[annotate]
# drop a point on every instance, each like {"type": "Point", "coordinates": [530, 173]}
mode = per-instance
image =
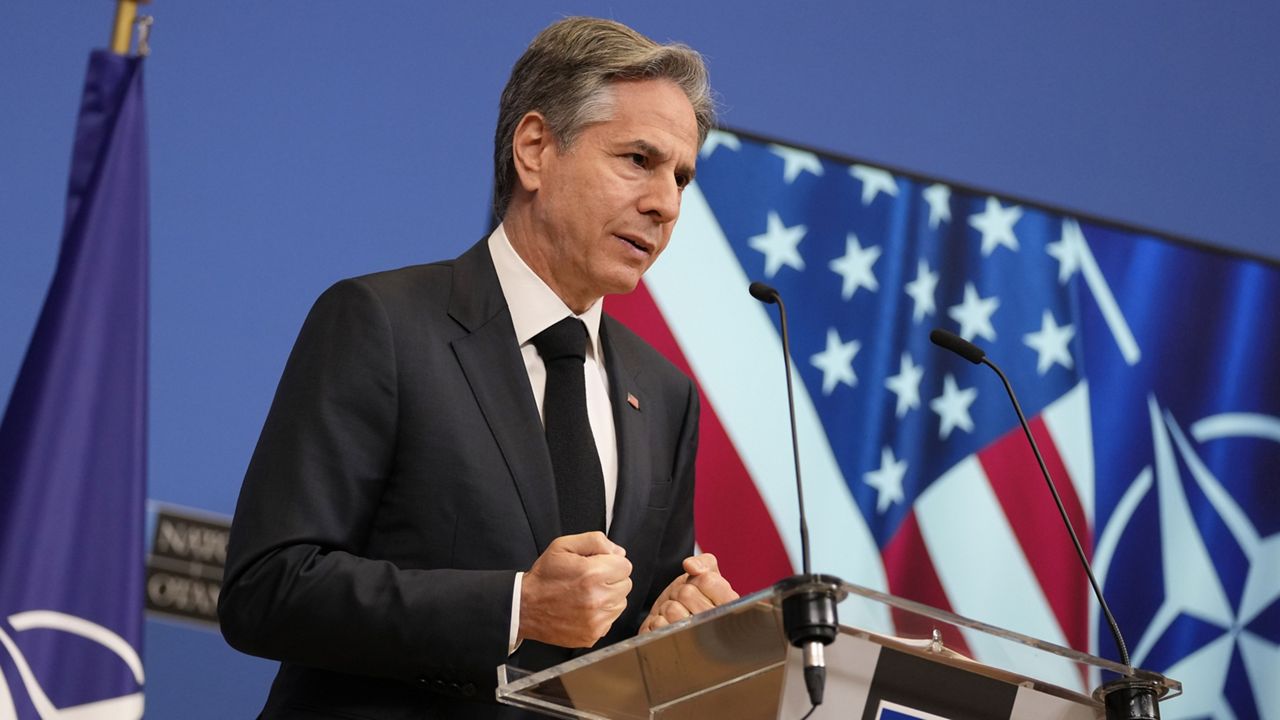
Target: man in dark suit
{"type": "Point", "coordinates": [406, 525]}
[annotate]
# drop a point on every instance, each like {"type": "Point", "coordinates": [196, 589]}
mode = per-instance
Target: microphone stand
{"type": "Point", "coordinates": [1126, 698]}
{"type": "Point", "coordinates": [809, 616]}
{"type": "Point", "coordinates": [809, 602]}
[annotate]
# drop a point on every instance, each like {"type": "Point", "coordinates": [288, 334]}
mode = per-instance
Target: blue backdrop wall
{"type": "Point", "coordinates": [294, 143]}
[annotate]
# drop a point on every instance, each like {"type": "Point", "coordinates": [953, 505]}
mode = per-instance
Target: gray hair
{"type": "Point", "coordinates": [566, 75]}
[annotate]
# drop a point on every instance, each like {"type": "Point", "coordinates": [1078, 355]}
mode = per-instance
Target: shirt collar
{"type": "Point", "coordinates": [534, 306]}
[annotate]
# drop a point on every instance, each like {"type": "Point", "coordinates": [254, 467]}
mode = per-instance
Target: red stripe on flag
{"type": "Point", "coordinates": [732, 519]}
{"type": "Point", "coordinates": [910, 573]}
{"type": "Point", "coordinates": [1014, 476]}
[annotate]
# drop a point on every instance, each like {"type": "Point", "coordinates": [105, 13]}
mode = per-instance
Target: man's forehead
{"type": "Point", "coordinates": [655, 113]}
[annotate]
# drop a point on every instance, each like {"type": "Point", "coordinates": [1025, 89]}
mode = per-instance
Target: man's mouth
{"type": "Point", "coordinates": [635, 244]}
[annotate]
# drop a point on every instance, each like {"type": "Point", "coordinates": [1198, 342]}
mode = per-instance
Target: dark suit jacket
{"type": "Point", "coordinates": [401, 480]}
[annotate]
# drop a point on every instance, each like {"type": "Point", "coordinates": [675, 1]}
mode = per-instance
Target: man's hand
{"type": "Point", "coordinates": [700, 588]}
{"type": "Point", "coordinates": [574, 591]}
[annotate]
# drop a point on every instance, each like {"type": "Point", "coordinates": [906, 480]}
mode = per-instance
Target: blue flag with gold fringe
{"type": "Point", "coordinates": [73, 437]}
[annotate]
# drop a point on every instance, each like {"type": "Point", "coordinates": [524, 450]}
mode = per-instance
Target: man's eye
{"type": "Point", "coordinates": [639, 159]}
{"type": "Point", "coordinates": [682, 181]}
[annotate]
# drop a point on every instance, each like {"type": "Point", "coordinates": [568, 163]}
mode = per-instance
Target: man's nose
{"type": "Point", "coordinates": [661, 200]}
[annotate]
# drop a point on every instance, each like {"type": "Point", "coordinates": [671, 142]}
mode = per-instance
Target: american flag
{"type": "Point", "coordinates": [1147, 367]}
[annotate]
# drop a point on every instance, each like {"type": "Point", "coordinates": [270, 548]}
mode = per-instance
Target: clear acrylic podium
{"type": "Point", "coordinates": [891, 654]}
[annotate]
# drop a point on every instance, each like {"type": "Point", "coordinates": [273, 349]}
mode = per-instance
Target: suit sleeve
{"type": "Point", "coordinates": [298, 587]}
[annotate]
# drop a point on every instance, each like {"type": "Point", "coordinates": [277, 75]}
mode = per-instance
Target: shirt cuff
{"type": "Point", "coordinates": [513, 634]}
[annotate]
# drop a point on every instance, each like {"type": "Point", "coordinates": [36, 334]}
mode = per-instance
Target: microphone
{"type": "Point", "coordinates": [769, 295]}
{"type": "Point", "coordinates": [1127, 698]}
{"type": "Point", "coordinates": [976, 355]}
{"type": "Point", "coordinates": [958, 345]}
{"type": "Point", "coordinates": [809, 614]}
{"type": "Point", "coordinates": [765, 294]}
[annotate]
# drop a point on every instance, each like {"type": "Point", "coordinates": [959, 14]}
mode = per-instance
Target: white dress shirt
{"type": "Point", "coordinates": [535, 307]}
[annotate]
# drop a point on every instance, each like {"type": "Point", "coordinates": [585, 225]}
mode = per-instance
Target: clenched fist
{"type": "Point", "coordinates": [574, 591]}
{"type": "Point", "coordinates": [700, 588]}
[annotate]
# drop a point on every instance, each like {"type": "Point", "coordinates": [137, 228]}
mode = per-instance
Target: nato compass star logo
{"type": "Point", "coordinates": [1229, 649]}
{"type": "Point", "coordinates": [125, 707]}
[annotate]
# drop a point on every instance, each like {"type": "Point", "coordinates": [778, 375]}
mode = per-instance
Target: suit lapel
{"type": "Point", "coordinates": [491, 361]}
{"type": "Point", "coordinates": [632, 429]}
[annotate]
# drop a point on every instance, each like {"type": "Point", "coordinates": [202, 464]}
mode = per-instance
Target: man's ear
{"type": "Point", "coordinates": [530, 145]}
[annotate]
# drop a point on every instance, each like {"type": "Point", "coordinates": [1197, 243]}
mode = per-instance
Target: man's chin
{"type": "Point", "coordinates": [622, 280]}
{"type": "Point", "coordinates": [623, 286]}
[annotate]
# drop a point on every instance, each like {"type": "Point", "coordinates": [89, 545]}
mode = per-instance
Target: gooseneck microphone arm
{"type": "Point", "coordinates": [769, 295]}
{"type": "Point", "coordinates": [976, 355]}
{"type": "Point", "coordinates": [809, 605]}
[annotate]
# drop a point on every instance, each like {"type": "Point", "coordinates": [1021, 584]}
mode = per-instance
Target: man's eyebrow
{"type": "Point", "coordinates": [653, 151]}
{"type": "Point", "coordinates": [648, 148]}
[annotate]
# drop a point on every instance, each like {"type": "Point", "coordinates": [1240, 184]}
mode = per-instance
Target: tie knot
{"type": "Point", "coordinates": [565, 339]}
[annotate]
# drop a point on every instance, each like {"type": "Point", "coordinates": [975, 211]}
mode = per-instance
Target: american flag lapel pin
{"type": "Point", "coordinates": [633, 401]}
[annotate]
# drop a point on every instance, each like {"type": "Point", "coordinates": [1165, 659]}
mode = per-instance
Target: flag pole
{"type": "Point", "coordinates": [122, 33]}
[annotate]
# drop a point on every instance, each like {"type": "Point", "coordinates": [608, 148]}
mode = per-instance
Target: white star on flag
{"type": "Point", "coordinates": [996, 225]}
{"type": "Point", "coordinates": [717, 138]}
{"type": "Point", "coordinates": [1069, 251]}
{"type": "Point", "coordinates": [906, 385]}
{"type": "Point", "coordinates": [1050, 343]}
{"type": "Point", "coordinates": [836, 362]}
{"type": "Point", "coordinates": [974, 314]}
{"type": "Point", "coordinates": [874, 181]}
{"type": "Point", "coordinates": [795, 162]}
{"type": "Point", "coordinates": [780, 245]}
{"type": "Point", "coordinates": [939, 198]}
{"type": "Point", "coordinates": [921, 291]}
{"type": "Point", "coordinates": [855, 267]}
{"type": "Point", "coordinates": [887, 480]}
{"type": "Point", "coordinates": [952, 407]}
